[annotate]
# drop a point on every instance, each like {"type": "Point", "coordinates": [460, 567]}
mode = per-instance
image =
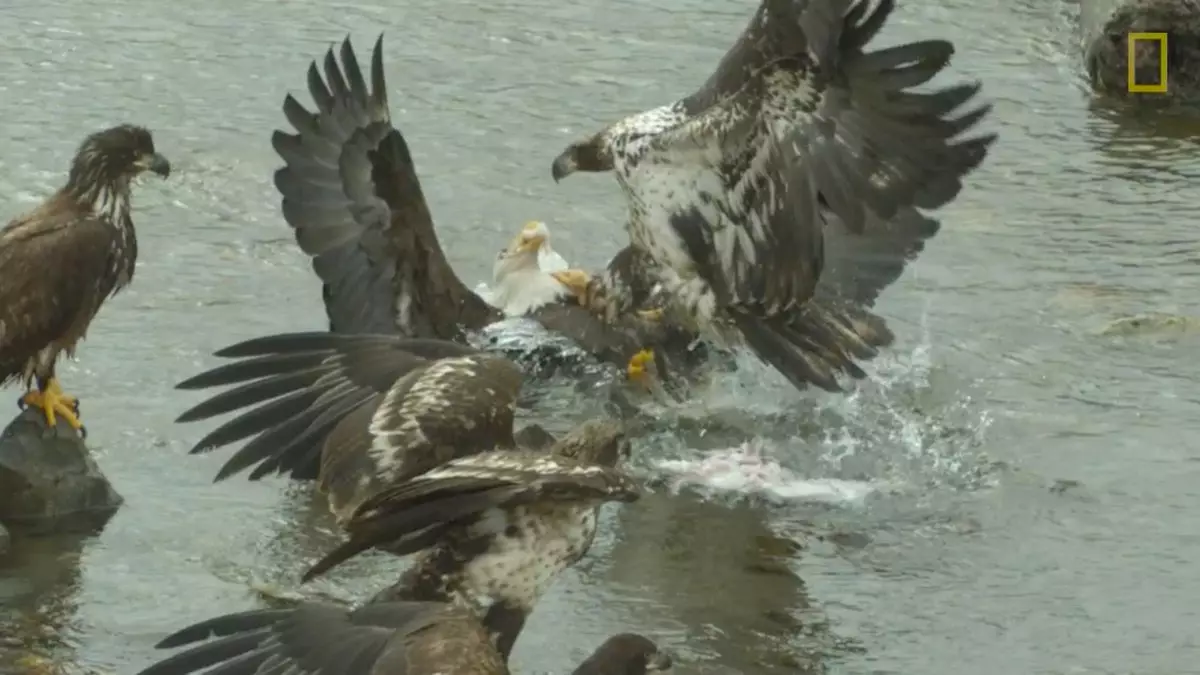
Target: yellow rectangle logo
{"type": "Point", "coordinates": [1131, 61]}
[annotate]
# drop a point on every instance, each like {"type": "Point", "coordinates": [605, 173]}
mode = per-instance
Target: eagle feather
{"type": "Point", "coordinates": [798, 127]}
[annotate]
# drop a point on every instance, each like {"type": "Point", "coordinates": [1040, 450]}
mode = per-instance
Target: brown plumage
{"type": "Point", "coordinates": [353, 199]}
{"type": "Point", "coordinates": [424, 427]}
{"type": "Point", "coordinates": [355, 411]}
{"type": "Point", "coordinates": [387, 638]}
{"type": "Point", "coordinates": [413, 443]}
{"type": "Point", "coordinates": [62, 260]}
{"type": "Point", "coordinates": [729, 189]}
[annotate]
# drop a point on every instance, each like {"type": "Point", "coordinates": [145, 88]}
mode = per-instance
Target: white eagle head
{"type": "Point", "coordinates": [519, 278]}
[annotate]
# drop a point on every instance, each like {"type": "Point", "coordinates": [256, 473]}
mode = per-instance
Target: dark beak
{"type": "Point", "coordinates": [659, 661]}
{"type": "Point", "coordinates": [158, 164]}
{"type": "Point", "coordinates": [564, 165]}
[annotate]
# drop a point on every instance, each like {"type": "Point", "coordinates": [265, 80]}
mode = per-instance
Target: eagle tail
{"type": "Point", "coordinates": [811, 345]}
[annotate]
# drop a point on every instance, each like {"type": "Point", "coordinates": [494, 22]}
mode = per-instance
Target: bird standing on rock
{"type": "Point", "coordinates": [62, 260]}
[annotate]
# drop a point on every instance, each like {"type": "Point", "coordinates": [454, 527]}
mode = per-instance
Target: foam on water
{"type": "Point", "coordinates": [745, 470]}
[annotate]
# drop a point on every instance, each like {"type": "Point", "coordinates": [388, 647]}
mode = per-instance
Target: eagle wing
{"type": "Point", "coordinates": [402, 516]}
{"type": "Point", "coordinates": [313, 390]}
{"type": "Point", "coordinates": [351, 194]}
{"type": "Point", "coordinates": [823, 129]}
{"type": "Point", "coordinates": [322, 639]}
{"type": "Point", "coordinates": [56, 274]}
{"type": "Point", "coordinates": [858, 267]}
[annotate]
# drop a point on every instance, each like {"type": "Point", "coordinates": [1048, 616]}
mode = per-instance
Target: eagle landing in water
{"type": "Point", "coordinates": [799, 128]}
{"type": "Point", "coordinates": [61, 260]}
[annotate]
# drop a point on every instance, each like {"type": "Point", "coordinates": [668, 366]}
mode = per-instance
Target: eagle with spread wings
{"type": "Point", "coordinates": [63, 259]}
{"type": "Point", "coordinates": [412, 442]}
{"type": "Point", "coordinates": [800, 128]}
{"type": "Point", "coordinates": [351, 195]}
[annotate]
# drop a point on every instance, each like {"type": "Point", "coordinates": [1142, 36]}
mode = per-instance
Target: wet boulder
{"type": "Point", "coordinates": [48, 479]}
{"type": "Point", "coordinates": [1106, 27]}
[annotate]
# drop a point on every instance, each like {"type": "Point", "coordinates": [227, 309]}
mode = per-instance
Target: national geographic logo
{"type": "Point", "coordinates": [1134, 86]}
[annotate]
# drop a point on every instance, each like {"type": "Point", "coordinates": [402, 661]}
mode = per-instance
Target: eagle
{"type": "Point", "coordinates": [730, 188]}
{"type": "Point", "coordinates": [412, 443]}
{"type": "Point", "coordinates": [63, 259]}
{"type": "Point", "coordinates": [351, 195]}
{"type": "Point", "coordinates": [384, 638]}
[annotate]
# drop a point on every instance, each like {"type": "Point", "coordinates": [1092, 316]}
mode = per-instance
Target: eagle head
{"type": "Point", "coordinates": [626, 653]}
{"type": "Point", "coordinates": [115, 156]}
{"type": "Point", "coordinates": [592, 154]}
{"type": "Point", "coordinates": [595, 442]}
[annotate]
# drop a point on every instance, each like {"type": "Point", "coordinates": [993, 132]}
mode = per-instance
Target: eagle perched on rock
{"type": "Point", "coordinates": [62, 260]}
{"type": "Point", "coordinates": [729, 189]}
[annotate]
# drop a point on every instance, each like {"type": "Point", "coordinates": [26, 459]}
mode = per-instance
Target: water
{"type": "Point", "coordinates": [1038, 456]}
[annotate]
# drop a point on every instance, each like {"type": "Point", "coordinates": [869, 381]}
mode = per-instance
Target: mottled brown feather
{"type": "Point", "coordinates": [55, 261]}
{"type": "Point", "coordinates": [351, 194]}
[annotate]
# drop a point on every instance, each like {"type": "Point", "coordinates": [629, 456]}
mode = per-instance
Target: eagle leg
{"type": "Point", "coordinates": [55, 403]}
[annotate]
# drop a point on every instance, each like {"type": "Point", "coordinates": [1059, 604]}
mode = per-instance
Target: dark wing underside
{"type": "Point", "coordinates": [56, 272]}
{"type": "Point", "coordinates": [392, 638]}
{"type": "Point", "coordinates": [301, 388]}
{"type": "Point", "coordinates": [858, 267]}
{"type": "Point", "coordinates": [402, 516]}
{"type": "Point", "coordinates": [351, 194]}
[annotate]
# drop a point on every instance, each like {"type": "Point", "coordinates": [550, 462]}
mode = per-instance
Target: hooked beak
{"type": "Point", "coordinates": [155, 163]}
{"type": "Point", "coordinates": [659, 661]}
{"type": "Point", "coordinates": [564, 165]}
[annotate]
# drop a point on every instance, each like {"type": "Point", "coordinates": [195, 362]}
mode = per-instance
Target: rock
{"type": "Point", "coordinates": [48, 480]}
{"type": "Point", "coordinates": [5, 541]}
{"type": "Point", "coordinates": [1105, 26]}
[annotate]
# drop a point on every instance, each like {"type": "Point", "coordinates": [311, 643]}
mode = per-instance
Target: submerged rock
{"type": "Point", "coordinates": [1105, 27]}
{"type": "Point", "coordinates": [48, 479]}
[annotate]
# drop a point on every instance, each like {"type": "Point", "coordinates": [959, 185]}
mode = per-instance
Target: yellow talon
{"type": "Point", "coordinates": [54, 404]}
{"type": "Point", "coordinates": [638, 369]}
{"type": "Point", "coordinates": [655, 314]}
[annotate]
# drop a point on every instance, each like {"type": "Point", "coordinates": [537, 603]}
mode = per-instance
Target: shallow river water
{"type": "Point", "coordinates": [1014, 492]}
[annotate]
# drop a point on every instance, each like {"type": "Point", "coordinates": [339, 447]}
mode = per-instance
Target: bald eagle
{"type": "Point", "coordinates": [729, 189]}
{"type": "Point", "coordinates": [386, 638]}
{"type": "Point", "coordinates": [352, 197]}
{"type": "Point", "coordinates": [62, 260]}
{"type": "Point", "coordinates": [412, 442]}
{"type": "Point", "coordinates": [522, 278]}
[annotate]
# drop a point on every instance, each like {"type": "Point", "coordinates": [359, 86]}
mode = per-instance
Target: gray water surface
{"type": "Point", "coordinates": [1014, 368]}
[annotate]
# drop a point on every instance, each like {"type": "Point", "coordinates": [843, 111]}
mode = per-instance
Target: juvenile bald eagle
{"type": "Point", "coordinates": [351, 194]}
{"type": "Point", "coordinates": [386, 638]}
{"type": "Point", "coordinates": [797, 126]}
{"type": "Point", "coordinates": [62, 260]}
{"type": "Point", "coordinates": [496, 529]}
{"type": "Point", "coordinates": [423, 427]}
